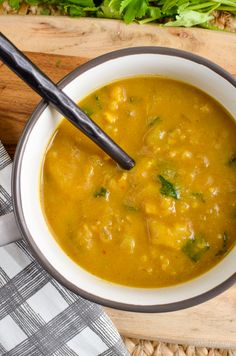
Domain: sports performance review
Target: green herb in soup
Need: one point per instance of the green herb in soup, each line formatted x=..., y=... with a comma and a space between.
x=172, y=217
x=168, y=188
x=196, y=247
x=101, y=192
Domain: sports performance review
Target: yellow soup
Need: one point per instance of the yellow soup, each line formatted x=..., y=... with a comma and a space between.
x=173, y=216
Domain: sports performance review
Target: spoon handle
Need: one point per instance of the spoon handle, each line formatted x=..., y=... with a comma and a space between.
x=40, y=83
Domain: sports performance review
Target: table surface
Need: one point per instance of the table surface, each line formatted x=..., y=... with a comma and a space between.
x=67, y=43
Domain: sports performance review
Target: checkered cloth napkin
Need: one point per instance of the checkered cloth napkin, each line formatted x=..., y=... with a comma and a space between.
x=37, y=315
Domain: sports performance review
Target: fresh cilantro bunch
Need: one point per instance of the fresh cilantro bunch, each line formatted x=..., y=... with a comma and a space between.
x=167, y=12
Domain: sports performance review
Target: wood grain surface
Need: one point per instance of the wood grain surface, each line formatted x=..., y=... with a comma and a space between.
x=211, y=324
x=17, y=100
x=91, y=37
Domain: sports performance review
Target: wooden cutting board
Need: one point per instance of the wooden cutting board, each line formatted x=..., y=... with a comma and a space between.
x=71, y=42
x=89, y=38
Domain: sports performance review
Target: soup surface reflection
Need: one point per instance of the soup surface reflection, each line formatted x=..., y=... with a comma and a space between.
x=169, y=219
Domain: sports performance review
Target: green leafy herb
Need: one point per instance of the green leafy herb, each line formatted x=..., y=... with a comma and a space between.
x=224, y=248
x=110, y=9
x=153, y=121
x=79, y=8
x=232, y=160
x=153, y=13
x=189, y=18
x=82, y=3
x=15, y=4
x=165, y=12
x=167, y=188
x=32, y=2
x=195, y=248
x=75, y=11
x=199, y=196
x=101, y=192
x=132, y=9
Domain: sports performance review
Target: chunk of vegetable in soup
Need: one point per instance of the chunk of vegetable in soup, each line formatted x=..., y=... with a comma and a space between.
x=173, y=216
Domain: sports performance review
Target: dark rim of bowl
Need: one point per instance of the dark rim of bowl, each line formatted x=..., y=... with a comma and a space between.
x=17, y=203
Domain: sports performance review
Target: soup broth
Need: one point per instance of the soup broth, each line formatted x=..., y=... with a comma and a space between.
x=173, y=216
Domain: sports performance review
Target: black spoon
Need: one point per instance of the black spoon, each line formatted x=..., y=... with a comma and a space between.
x=49, y=91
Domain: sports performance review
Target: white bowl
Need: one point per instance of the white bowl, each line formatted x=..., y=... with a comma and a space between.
x=130, y=62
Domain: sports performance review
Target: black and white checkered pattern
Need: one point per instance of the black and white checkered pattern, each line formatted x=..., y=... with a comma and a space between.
x=37, y=315
x=4, y=158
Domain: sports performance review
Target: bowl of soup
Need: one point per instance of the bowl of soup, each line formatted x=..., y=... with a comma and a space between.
x=161, y=236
